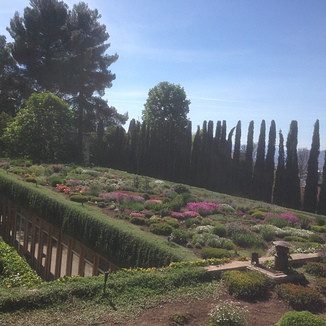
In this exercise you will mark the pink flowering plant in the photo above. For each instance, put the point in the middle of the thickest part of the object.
(204, 208)
(184, 215)
(120, 197)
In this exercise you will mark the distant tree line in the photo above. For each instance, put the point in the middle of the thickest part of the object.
(212, 159)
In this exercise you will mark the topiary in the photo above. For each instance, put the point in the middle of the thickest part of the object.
(301, 318)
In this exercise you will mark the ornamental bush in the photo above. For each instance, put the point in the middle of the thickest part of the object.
(161, 228)
(215, 253)
(301, 318)
(299, 297)
(316, 269)
(219, 230)
(322, 286)
(247, 284)
(228, 313)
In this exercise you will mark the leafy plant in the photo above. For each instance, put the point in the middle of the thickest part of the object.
(219, 230)
(301, 318)
(247, 284)
(228, 313)
(316, 269)
(161, 228)
(215, 253)
(299, 297)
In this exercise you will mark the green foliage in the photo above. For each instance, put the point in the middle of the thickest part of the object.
(320, 220)
(172, 222)
(319, 228)
(161, 228)
(294, 238)
(301, 318)
(124, 243)
(179, 189)
(278, 222)
(316, 269)
(317, 238)
(246, 284)
(299, 297)
(228, 313)
(267, 233)
(166, 102)
(41, 130)
(15, 270)
(190, 222)
(246, 239)
(79, 198)
(219, 230)
(321, 285)
(179, 318)
(180, 236)
(258, 215)
(137, 220)
(215, 253)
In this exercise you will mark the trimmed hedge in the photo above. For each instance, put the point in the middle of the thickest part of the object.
(124, 243)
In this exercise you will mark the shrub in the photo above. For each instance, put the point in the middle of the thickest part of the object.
(171, 221)
(179, 319)
(228, 313)
(247, 240)
(319, 228)
(246, 284)
(192, 221)
(294, 238)
(153, 205)
(304, 222)
(267, 233)
(320, 220)
(215, 253)
(137, 220)
(165, 212)
(301, 318)
(278, 222)
(79, 198)
(322, 285)
(179, 189)
(56, 179)
(316, 269)
(317, 238)
(219, 230)
(180, 236)
(161, 228)
(258, 215)
(299, 297)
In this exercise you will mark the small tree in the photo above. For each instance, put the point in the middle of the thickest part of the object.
(41, 130)
(166, 102)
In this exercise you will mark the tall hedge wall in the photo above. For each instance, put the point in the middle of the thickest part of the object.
(122, 243)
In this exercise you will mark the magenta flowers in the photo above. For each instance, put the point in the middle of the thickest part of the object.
(203, 208)
(290, 218)
(120, 196)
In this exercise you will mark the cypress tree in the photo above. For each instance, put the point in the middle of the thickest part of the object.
(322, 195)
(258, 174)
(214, 167)
(292, 180)
(269, 165)
(278, 193)
(194, 164)
(311, 188)
(248, 163)
(236, 160)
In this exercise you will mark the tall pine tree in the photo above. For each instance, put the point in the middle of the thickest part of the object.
(322, 196)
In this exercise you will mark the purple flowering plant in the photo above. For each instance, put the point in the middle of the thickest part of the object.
(203, 208)
(290, 218)
(120, 197)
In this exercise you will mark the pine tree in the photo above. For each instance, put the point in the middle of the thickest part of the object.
(278, 193)
(236, 160)
(292, 181)
(269, 165)
(311, 189)
(258, 174)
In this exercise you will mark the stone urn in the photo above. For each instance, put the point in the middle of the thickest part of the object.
(281, 258)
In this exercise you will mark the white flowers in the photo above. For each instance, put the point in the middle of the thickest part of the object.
(228, 313)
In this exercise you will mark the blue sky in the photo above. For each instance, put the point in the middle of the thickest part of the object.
(236, 59)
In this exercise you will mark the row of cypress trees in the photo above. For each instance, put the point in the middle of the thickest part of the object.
(215, 159)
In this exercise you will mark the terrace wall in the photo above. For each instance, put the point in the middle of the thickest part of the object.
(46, 248)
